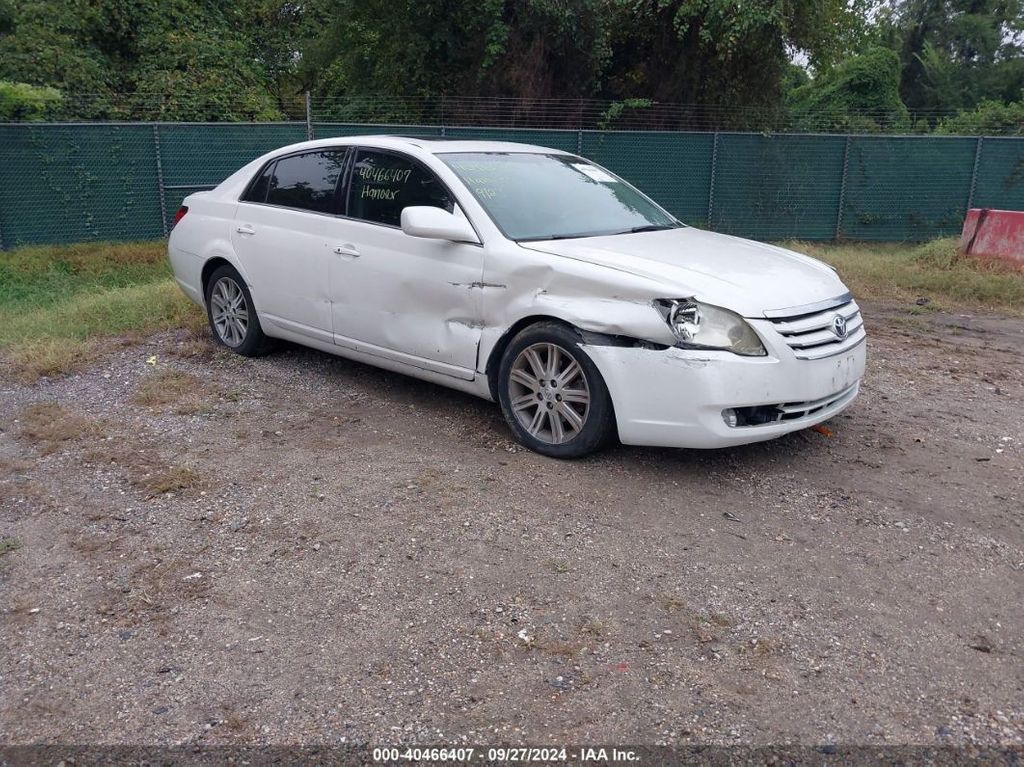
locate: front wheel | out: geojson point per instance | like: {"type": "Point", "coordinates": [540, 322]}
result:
{"type": "Point", "coordinates": [231, 313]}
{"type": "Point", "coordinates": [552, 394]}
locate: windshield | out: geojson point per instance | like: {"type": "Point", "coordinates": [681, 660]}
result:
{"type": "Point", "coordinates": [549, 196]}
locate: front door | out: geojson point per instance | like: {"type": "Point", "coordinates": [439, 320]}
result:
{"type": "Point", "coordinates": [411, 299]}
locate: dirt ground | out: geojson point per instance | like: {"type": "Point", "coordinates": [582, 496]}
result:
{"type": "Point", "coordinates": [199, 548]}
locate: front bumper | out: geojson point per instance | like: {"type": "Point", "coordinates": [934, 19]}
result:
{"type": "Point", "coordinates": [675, 397]}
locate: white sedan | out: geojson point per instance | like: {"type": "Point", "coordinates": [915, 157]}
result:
{"type": "Point", "coordinates": [524, 275]}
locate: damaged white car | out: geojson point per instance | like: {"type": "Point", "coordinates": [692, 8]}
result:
{"type": "Point", "coordinates": [524, 275]}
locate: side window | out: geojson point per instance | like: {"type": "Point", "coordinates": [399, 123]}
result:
{"type": "Point", "coordinates": [383, 184]}
{"type": "Point", "coordinates": [258, 189]}
{"type": "Point", "coordinates": [307, 181]}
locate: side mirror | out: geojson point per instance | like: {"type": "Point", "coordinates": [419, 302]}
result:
{"type": "Point", "coordinates": [437, 224]}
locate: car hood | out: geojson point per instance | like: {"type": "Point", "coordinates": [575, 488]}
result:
{"type": "Point", "coordinates": [745, 276]}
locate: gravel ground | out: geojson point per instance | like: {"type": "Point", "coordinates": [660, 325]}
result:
{"type": "Point", "coordinates": [206, 549]}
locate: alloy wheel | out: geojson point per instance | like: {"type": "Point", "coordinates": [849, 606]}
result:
{"type": "Point", "coordinates": [229, 311]}
{"type": "Point", "coordinates": [549, 394]}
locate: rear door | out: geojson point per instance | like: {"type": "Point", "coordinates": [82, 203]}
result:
{"type": "Point", "coordinates": [285, 225]}
{"type": "Point", "coordinates": [412, 299]}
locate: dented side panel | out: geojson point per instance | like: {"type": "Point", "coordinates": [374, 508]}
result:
{"type": "Point", "coordinates": [590, 297]}
{"type": "Point", "coordinates": [419, 299]}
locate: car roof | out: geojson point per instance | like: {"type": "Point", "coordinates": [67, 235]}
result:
{"type": "Point", "coordinates": [432, 144]}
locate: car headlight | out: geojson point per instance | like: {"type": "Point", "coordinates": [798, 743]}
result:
{"type": "Point", "coordinates": [702, 326]}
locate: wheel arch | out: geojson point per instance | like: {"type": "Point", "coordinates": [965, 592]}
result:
{"type": "Point", "coordinates": [498, 350]}
{"type": "Point", "coordinates": [585, 336]}
{"type": "Point", "coordinates": [209, 267]}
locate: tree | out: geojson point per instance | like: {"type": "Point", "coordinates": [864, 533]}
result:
{"type": "Point", "coordinates": [50, 43]}
{"type": "Point", "coordinates": [957, 53]}
{"type": "Point", "coordinates": [719, 53]}
{"type": "Point", "coordinates": [145, 59]}
{"type": "Point", "coordinates": [407, 55]}
{"type": "Point", "coordinates": [859, 95]}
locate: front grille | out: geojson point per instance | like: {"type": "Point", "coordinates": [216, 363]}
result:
{"type": "Point", "coordinates": [811, 336]}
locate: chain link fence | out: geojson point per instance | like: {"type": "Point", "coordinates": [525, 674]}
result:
{"type": "Point", "coordinates": [70, 182]}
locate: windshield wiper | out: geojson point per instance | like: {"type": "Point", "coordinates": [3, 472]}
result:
{"type": "Point", "coordinates": [581, 235]}
{"type": "Point", "coordinates": [545, 237]}
{"type": "Point", "coordinates": [649, 228]}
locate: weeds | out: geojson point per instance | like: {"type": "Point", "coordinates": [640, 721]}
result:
{"type": "Point", "coordinates": [59, 306]}
{"type": "Point", "coordinates": [49, 425]}
{"type": "Point", "coordinates": [167, 480]}
{"type": "Point", "coordinates": [143, 468]}
{"type": "Point", "coordinates": [935, 270]}
{"type": "Point", "coordinates": [166, 387]}
{"type": "Point", "coordinates": [7, 545]}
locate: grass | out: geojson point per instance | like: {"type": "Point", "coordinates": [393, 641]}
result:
{"type": "Point", "coordinates": [7, 545]}
{"type": "Point", "coordinates": [166, 387]}
{"type": "Point", "coordinates": [171, 479]}
{"type": "Point", "coordinates": [933, 270]}
{"type": "Point", "coordinates": [49, 425]}
{"type": "Point", "coordinates": [59, 303]}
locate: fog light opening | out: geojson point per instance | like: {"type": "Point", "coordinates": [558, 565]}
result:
{"type": "Point", "coordinates": [759, 415]}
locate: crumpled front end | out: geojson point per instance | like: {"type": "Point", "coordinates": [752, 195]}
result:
{"type": "Point", "coordinates": [687, 398]}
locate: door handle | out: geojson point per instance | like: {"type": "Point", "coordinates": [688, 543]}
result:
{"type": "Point", "coordinates": [246, 229]}
{"type": "Point", "coordinates": [347, 249]}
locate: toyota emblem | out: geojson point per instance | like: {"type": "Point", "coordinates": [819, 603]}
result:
{"type": "Point", "coordinates": [839, 326]}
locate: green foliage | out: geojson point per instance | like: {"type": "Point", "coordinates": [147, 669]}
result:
{"type": "Point", "coordinates": [20, 101]}
{"type": "Point", "coordinates": [617, 108]}
{"type": "Point", "coordinates": [718, 52]}
{"type": "Point", "coordinates": [989, 118]}
{"type": "Point", "coordinates": [193, 73]}
{"type": "Point", "coordinates": [383, 50]}
{"type": "Point", "coordinates": [935, 269]}
{"type": "Point", "coordinates": [38, 276]}
{"type": "Point", "coordinates": [57, 303]}
{"type": "Point", "coordinates": [400, 60]}
{"type": "Point", "coordinates": [957, 53]}
{"type": "Point", "coordinates": [179, 60]}
{"type": "Point", "coordinates": [860, 95]}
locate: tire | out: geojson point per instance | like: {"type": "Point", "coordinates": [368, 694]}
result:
{"type": "Point", "coordinates": [238, 329]}
{"type": "Point", "coordinates": [565, 415]}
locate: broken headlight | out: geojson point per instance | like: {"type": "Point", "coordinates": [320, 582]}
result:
{"type": "Point", "coordinates": [698, 325]}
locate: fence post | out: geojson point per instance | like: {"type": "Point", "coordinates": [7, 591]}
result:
{"type": "Point", "coordinates": [842, 188]}
{"type": "Point", "coordinates": [309, 117]}
{"type": "Point", "coordinates": [711, 185]}
{"type": "Point", "coordinates": [974, 172]}
{"type": "Point", "coordinates": [160, 179]}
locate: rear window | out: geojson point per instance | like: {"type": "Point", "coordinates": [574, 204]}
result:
{"type": "Point", "coordinates": [306, 181]}
{"type": "Point", "coordinates": [257, 191]}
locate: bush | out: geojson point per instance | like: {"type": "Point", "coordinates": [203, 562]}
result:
{"type": "Point", "coordinates": [21, 101]}
{"type": "Point", "coordinates": [989, 118]}
{"type": "Point", "coordinates": [861, 95]}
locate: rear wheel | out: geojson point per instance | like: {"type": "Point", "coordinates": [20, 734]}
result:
{"type": "Point", "coordinates": [552, 394]}
{"type": "Point", "coordinates": [231, 313]}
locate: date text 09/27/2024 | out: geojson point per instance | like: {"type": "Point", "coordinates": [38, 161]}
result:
{"type": "Point", "coordinates": [466, 754]}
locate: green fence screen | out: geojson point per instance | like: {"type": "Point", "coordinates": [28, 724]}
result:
{"type": "Point", "coordinates": [123, 181]}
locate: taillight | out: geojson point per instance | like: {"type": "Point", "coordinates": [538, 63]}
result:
{"type": "Point", "coordinates": [180, 214]}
